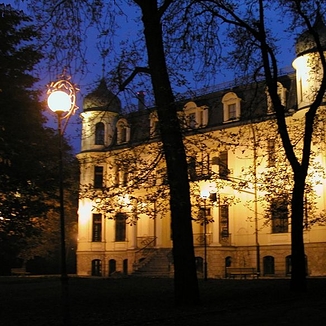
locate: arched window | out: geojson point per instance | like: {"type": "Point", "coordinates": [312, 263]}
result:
{"type": "Point", "coordinates": [228, 263]}
{"type": "Point", "coordinates": [123, 131]}
{"type": "Point", "coordinates": [231, 107]}
{"type": "Point", "coordinates": [288, 265]}
{"type": "Point", "coordinates": [99, 133]}
{"type": "Point", "coordinates": [112, 266]}
{"type": "Point", "coordinates": [268, 265]}
{"type": "Point", "coordinates": [96, 267]}
{"type": "Point", "coordinates": [195, 116]}
{"type": "Point", "coordinates": [281, 92]}
{"type": "Point", "coordinates": [154, 125]}
{"type": "Point", "coordinates": [125, 266]}
{"type": "Point", "coordinates": [120, 227]}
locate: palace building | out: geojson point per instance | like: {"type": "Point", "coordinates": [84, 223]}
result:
{"type": "Point", "coordinates": [240, 180]}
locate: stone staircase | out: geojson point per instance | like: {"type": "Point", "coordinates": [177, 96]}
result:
{"type": "Point", "coordinates": [155, 263]}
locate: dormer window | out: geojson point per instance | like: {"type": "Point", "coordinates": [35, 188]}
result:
{"type": "Point", "coordinates": [123, 131]}
{"type": "Point", "coordinates": [154, 125]}
{"type": "Point", "coordinates": [99, 133]}
{"type": "Point", "coordinates": [231, 107]}
{"type": "Point", "coordinates": [195, 117]}
{"type": "Point", "coordinates": [281, 92]}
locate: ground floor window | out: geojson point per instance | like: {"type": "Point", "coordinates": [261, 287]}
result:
{"type": "Point", "coordinates": [268, 265]}
{"type": "Point", "coordinates": [288, 264]}
{"type": "Point", "coordinates": [228, 263]}
{"type": "Point", "coordinates": [125, 266]}
{"type": "Point", "coordinates": [96, 267]}
{"type": "Point", "coordinates": [112, 266]}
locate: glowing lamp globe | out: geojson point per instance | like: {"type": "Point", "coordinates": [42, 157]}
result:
{"type": "Point", "coordinates": [204, 194]}
{"type": "Point", "coordinates": [59, 101]}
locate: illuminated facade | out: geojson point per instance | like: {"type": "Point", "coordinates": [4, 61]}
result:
{"type": "Point", "coordinates": [239, 178]}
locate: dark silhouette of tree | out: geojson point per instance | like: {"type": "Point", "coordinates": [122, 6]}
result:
{"type": "Point", "coordinates": [28, 154]}
{"type": "Point", "coordinates": [249, 30]}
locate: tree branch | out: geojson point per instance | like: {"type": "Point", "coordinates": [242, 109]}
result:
{"type": "Point", "coordinates": [136, 71]}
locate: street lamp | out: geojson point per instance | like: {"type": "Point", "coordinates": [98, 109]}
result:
{"type": "Point", "coordinates": [62, 101]}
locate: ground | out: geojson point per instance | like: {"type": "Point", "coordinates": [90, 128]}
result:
{"type": "Point", "coordinates": [138, 301]}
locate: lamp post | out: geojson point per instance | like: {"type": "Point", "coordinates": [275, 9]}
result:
{"type": "Point", "coordinates": [205, 195]}
{"type": "Point", "coordinates": [62, 101]}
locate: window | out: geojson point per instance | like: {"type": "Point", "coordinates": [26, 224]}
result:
{"type": "Point", "coordinates": [123, 131]}
{"type": "Point", "coordinates": [112, 266]}
{"type": "Point", "coordinates": [281, 92]}
{"type": "Point", "coordinates": [228, 263]}
{"type": "Point", "coordinates": [192, 169]}
{"type": "Point", "coordinates": [199, 167]}
{"type": "Point", "coordinates": [191, 120]}
{"type": "Point", "coordinates": [232, 111]}
{"type": "Point", "coordinates": [279, 215]}
{"type": "Point", "coordinates": [231, 107]}
{"type": "Point", "coordinates": [154, 125]}
{"type": "Point", "coordinates": [204, 215]}
{"type": "Point", "coordinates": [268, 265]}
{"type": "Point", "coordinates": [99, 133]}
{"type": "Point", "coordinates": [125, 267]}
{"type": "Point", "coordinates": [223, 165]}
{"type": "Point", "coordinates": [224, 221]}
{"type": "Point", "coordinates": [98, 177]}
{"type": "Point", "coordinates": [288, 265]}
{"type": "Point", "coordinates": [271, 152]}
{"type": "Point", "coordinates": [120, 227]}
{"type": "Point", "coordinates": [97, 228]}
{"type": "Point", "coordinates": [121, 176]}
{"type": "Point", "coordinates": [195, 117]}
{"type": "Point", "coordinates": [96, 267]}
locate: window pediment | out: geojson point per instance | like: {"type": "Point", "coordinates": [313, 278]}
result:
{"type": "Point", "coordinates": [195, 116]}
{"type": "Point", "coordinates": [154, 124]}
{"type": "Point", "coordinates": [123, 131]}
{"type": "Point", "coordinates": [281, 92]}
{"type": "Point", "coordinates": [231, 107]}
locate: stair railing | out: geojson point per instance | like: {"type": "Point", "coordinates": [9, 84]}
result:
{"type": "Point", "coordinates": [145, 253]}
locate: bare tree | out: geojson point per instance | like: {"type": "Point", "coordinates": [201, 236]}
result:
{"type": "Point", "coordinates": [248, 31]}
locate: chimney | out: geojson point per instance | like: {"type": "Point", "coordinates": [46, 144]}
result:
{"type": "Point", "coordinates": [141, 100]}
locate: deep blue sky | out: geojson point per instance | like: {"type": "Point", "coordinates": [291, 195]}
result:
{"type": "Point", "coordinates": [86, 82]}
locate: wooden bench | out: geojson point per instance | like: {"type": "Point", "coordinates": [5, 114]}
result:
{"type": "Point", "coordinates": [243, 272]}
{"type": "Point", "coordinates": [19, 272]}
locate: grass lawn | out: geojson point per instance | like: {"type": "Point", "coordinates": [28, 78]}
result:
{"type": "Point", "coordinates": [34, 301]}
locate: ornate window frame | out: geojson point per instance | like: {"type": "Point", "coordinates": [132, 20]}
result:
{"type": "Point", "coordinates": [99, 133]}
{"type": "Point", "coordinates": [153, 124]}
{"type": "Point", "coordinates": [231, 107]}
{"type": "Point", "coordinates": [123, 131]}
{"type": "Point", "coordinates": [195, 116]}
{"type": "Point", "coordinates": [281, 92]}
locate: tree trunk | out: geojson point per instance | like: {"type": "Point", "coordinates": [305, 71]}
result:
{"type": "Point", "coordinates": [298, 270]}
{"type": "Point", "coordinates": [185, 275]}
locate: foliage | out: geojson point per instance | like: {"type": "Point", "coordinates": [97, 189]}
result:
{"type": "Point", "coordinates": [28, 151]}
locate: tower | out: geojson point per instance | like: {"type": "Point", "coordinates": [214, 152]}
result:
{"type": "Point", "coordinates": [100, 111]}
{"type": "Point", "coordinates": [308, 64]}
